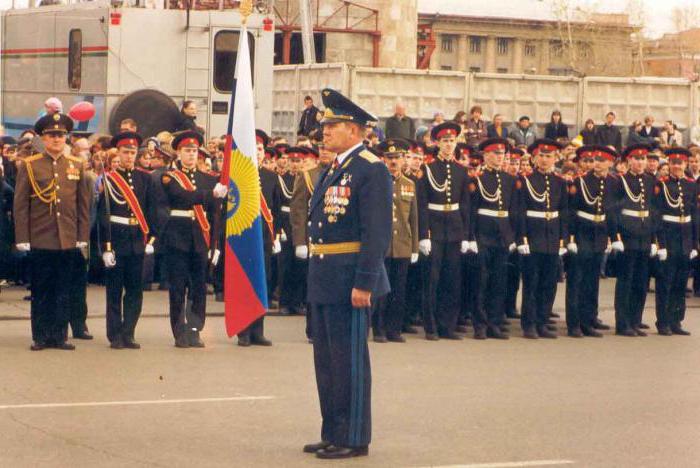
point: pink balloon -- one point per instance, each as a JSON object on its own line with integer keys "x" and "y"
{"x": 82, "y": 111}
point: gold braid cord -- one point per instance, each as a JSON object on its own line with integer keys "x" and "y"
{"x": 41, "y": 194}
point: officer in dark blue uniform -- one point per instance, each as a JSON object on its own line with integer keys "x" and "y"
{"x": 350, "y": 219}
{"x": 541, "y": 235}
{"x": 677, "y": 218}
{"x": 635, "y": 229}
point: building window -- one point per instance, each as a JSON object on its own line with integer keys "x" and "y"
{"x": 502, "y": 46}
{"x": 502, "y": 70}
{"x": 225, "y": 53}
{"x": 530, "y": 49}
{"x": 474, "y": 45}
{"x": 446, "y": 67}
{"x": 75, "y": 58}
{"x": 448, "y": 43}
{"x": 475, "y": 69}
{"x": 556, "y": 49}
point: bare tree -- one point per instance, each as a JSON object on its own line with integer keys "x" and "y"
{"x": 639, "y": 17}
{"x": 684, "y": 17}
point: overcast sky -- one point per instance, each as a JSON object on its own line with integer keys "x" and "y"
{"x": 657, "y": 16}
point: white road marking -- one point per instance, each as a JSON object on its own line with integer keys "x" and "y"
{"x": 133, "y": 402}
{"x": 517, "y": 464}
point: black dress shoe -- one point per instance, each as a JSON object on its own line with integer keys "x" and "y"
{"x": 677, "y": 330}
{"x": 588, "y": 331}
{"x": 116, "y": 343}
{"x": 543, "y": 332}
{"x": 410, "y": 330}
{"x": 554, "y": 315}
{"x": 530, "y": 333}
{"x": 379, "y": 339}
{"x": 285, "y": 311}
{"x": 219, "y": 297}
{"x": 626, "y": 332}
{"x": 194, "y": 340}
{"x": 129, "y": 343}
{"x": 513, "y": 315}
{"x": 243, "y": 341}
{"x": 479, "y": 334}
{"x": 313, "y": 448}
{"x": 260, "y": 341}
{"x": 551, "y": 322}
{"x": 395, "y": 338}
{"x": 639, "y": 332}
{"x": 83, "y": 336}
{"x": 337, "y": 453}
{"x": 496, "y": 333}
{"x": 461, "y": 329}
{"x": 575, "y": 332}
{"x": 182, "y": 342}
{"x": 431, "y": 337}
{"x": 38, "y": 346}
{"x": 598, "y": 325}
{"x": 552, "y": 328}
{"x": 643, "y": 326}
{"x": 451, "y": 336}
{"x": 665, "y": 331}
{"x": 64, "y": 346}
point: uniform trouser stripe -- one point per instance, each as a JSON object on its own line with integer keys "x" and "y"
{"x": 359, "y": 382}
{"x": 357, "y": 325}
{"x": 352, "y": 429}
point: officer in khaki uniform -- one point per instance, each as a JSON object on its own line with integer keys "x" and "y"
{"x": 52, "y": 223}
{"x": 389, "y": 310}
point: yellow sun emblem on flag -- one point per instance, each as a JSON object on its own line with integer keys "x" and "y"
{"x": 243, "y": 194}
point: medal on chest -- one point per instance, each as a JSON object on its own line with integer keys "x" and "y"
{"x": 72, "y": 173}
{"x": 335, "y": 202}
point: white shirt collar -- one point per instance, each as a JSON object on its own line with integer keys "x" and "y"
{"x": 341, "y": 157}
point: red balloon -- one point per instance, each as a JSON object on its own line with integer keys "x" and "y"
{"x": 82, "y": 111}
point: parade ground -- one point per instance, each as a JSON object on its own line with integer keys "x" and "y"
{"x": 611, "y": 402}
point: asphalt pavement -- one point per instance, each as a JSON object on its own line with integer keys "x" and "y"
{"x": 610, "y": 402}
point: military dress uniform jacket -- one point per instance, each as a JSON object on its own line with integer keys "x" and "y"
{"x": 543, "y": 212}
{"x": 490, "y": 230}
{"x": 677, "y": 215}
{"x": 635, "y": 221}
{"x": 404, "y": 238}
{"x": 269, "y": 185}
{"x": 184, "y": 233}
{"x": 351, "y": 210}
{"x": 443, "y": 203}
{"x": 592, "y": 202}
{"x": 299, "y": 205}
{"x": 52, "y": 202}
{"x": 282, "y": 202}
{"x": 127, "y": 239}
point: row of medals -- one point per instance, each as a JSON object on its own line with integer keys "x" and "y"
{"x": 335, "y": 200}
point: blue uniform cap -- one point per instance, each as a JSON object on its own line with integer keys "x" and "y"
{"x": 341, "y": 109}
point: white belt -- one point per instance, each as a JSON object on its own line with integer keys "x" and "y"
{"x": 182, "y": 213}
{"x": 493, "y": 213}
{"x": 635, "y": 213}
{"x": 285, "y": 209}
{"x": 542, "y": 214}
{"x": 676, "y": 219}
{"x": 596, "y": 218}
{"x": 123, "y": 220}
{"x": 447, "y": 207}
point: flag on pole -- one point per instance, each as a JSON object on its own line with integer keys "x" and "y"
{"x": 245, "y": 285}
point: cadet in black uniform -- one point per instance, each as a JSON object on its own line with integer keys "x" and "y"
{"x": 635, "y": 230}
{"x": 126, "y": 210}
{"x": 513, "y": 265}
{"x": 677, "y": 217}
{"x": 349, "y": 234}
{"x": 443, "y": 207}
{"x": 186, "y": 237}
{"x": 494, "y": 214}
{"x": 592, "y": 199}
{"x": 541, "y": 236}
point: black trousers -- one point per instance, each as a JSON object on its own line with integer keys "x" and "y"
{"x": 255, "y": 330}
{"x": 492, "y": 287}
{"x": 582, "y": 284}
{"x": 540, "y": 276}
{"x": 470, "y": 288}
{"x": 290, "y": 277}
{"x": 187, "y": 272}
{"x": 671, "y": 281}
{"x": 78, "y": 302}
{"x": 444, "y": 282}
{"x": 343, "y": 375}
{"x": 631, "y": 288}
{"x": 414, "y": 291}
{"x": 124, "y": 295}
{"x": 52, "y": 274}
{"x": 513, "y": 283}
{"x": 389, "y": 312}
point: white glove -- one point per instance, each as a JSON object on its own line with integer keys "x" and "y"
{"x": 109, "y": 259}
{"x": 23, "y": 247}
{"x": 572, "y": 248}
{"x": 693, "y": 254}
{"x": 220, "y": 190}
{"x": 663, "y": 255}
{"x": 618, "y": 246}
{"x": 524, "y": 249}
{"x": 414, "y": 257}
{"x": 608, "y": 249}
{"x": 148, "y": 250}
{"x": 424, "y": 246}
{"x": 283, "y": 236}
{"x": 562, "y": 251}
{"x": 215, "y": 255}
{"x": 474, "y": 247}
{"x": 464, "y": 247}
{"x": 276, "y": 247}
{"x": 81, "y": 245}
{"x": 512, "y": 247}
{"x": 302, "y": 252}
{"x": 653, "y": 251}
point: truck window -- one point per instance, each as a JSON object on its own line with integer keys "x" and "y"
{"x": 75, "y": 58}
{"x": 225, "y": 53}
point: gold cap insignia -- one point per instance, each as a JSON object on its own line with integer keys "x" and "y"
{"x": 56, "y": 117}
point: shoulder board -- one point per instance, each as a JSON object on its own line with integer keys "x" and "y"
{"x": 33, "y": 157}
{"x": 407, "y": 181}
{"x": 74, "y": 159}
{"x": 166, "y": 178}
{"x": 368, "y": 156}
{"x": 141, "y": 169}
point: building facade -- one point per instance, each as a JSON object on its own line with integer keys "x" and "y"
{"x": 673, "y": 55}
